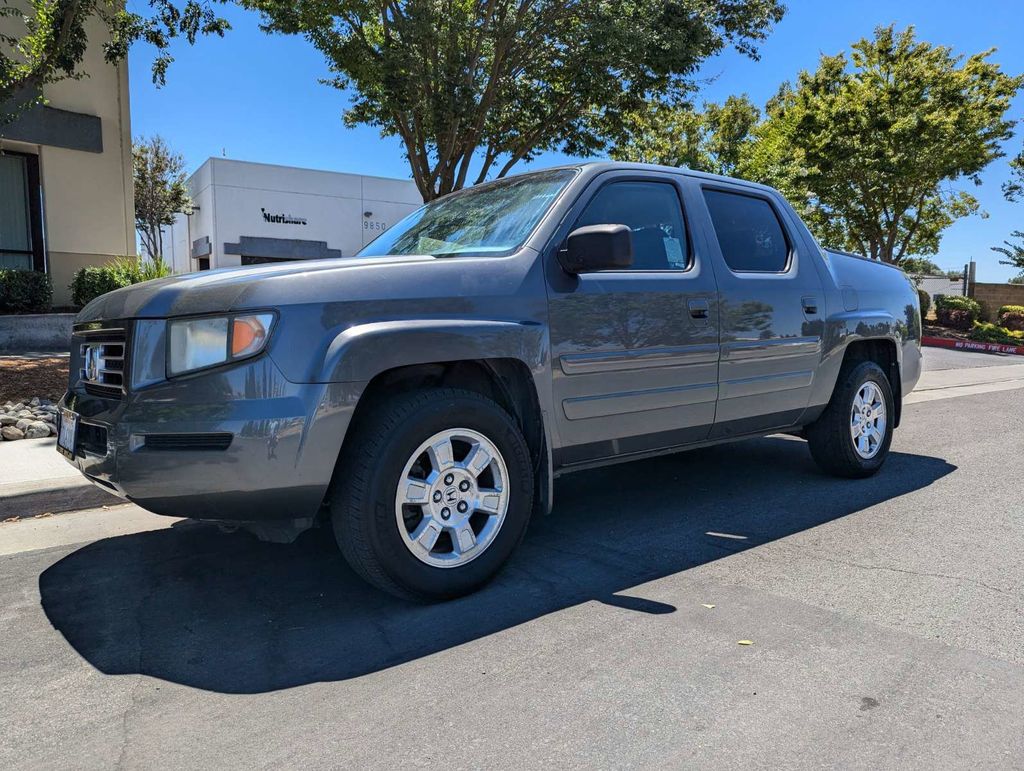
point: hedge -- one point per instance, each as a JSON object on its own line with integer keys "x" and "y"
{"x": 984, "y": 332}
{"x": 90, "y": 283}
{"x": 926, "y": 302}
{"x": 25, "y": 291}
{"x": 957, "y": 312}
{"x": 1011, "y": 317}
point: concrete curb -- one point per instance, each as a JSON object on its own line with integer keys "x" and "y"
{"x": 28, "y": 499}
{"x": 36, "y": 332}
{"x": 970, "y": 345}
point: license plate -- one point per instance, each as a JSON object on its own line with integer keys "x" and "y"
{"x": 67, "y": 434}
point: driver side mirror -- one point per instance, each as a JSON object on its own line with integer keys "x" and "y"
{"x": 597, "y": 247}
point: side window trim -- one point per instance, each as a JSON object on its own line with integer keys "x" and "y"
{"x": 691, "y": 262}
{"x": 791, "y": 252}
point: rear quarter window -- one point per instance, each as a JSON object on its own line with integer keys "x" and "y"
{"x": 749, "y": 233}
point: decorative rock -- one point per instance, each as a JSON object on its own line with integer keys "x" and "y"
{"x": 37, "y": 430}
{"x": 34, "y": 418}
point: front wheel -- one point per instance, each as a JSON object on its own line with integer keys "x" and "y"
{"x": 852, "y": 436}
{"x": 433, "y": 493}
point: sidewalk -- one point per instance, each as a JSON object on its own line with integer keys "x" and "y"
{"x": 35, "y": 479}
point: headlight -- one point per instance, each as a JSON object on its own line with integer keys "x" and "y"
{"x": 200, "y": 343}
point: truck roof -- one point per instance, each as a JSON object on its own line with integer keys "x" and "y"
{"x": 600, "y": 166}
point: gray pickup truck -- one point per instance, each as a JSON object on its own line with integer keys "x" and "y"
{"x": 422, "y": 396}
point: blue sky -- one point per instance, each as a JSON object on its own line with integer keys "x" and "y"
{"x": 255, "y": 97}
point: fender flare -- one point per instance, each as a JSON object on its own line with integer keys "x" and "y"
{"x": 849, "y": 327}
{"x": 361, "y": 352}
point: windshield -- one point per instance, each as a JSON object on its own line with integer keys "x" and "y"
{"x": 492, "y": 219}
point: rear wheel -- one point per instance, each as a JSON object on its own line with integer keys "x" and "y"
{"x": 853, "y": 434}
{"x": 433, "y": 494}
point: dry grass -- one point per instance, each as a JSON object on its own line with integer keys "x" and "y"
{"x": 25, "y": 377}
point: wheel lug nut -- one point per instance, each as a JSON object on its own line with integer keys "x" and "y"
{"x": 449, "y": 478}
{"x": 462, "y": 507}
{"x": 463, "y": 485}
{"x": 446, "y": 513}
{"x": 437, "y": 496}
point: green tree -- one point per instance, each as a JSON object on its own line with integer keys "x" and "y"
{"x": 713, "y": 140}
{"x": 1014, "y": 254}
{"x": 161, "y": 192}
{"x": 921, "y": 266}
{"x": 44, "y": 41}
{"x": 868, "y": 146}
{"x": 473, "y": 87}
{"x": 1014, "y": 188}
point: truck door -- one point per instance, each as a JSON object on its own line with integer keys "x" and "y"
{"x": 771, "y": 309}
{"x": 634, "y": 352}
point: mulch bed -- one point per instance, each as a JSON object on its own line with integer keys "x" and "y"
{"x": 25, "y": 377}
{"x": 954, "y": 339}
{"x": 931, "y": 330}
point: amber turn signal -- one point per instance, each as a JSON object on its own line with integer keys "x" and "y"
{"x": 248, "y": 333}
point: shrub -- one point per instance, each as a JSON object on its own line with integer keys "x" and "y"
{"x": 90, "y": 283}
{"x": 957, "y": 312}
{"x": 984, "y": 332}
{"x": 25, "y": 291}
{"x": 926, "y": 302}
{"x": 1011, "y": 317}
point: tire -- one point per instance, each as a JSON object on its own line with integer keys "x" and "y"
{"x": 831, "y": 438}
{"x": 376, "y": 527}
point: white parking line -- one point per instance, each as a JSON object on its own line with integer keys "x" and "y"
{"x": 932, "y": 394}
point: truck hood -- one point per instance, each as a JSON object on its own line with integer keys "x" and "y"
{"x": 228, "y": 289}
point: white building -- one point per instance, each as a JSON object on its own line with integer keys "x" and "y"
{"x": 940, "y": 285}
{"x": 252, "y": 213}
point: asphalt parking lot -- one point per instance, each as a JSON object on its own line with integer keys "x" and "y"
{"x": 886, "y": 618}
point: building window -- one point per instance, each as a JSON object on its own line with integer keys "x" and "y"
{"x": 21, "y": 230}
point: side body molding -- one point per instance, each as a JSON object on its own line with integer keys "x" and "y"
{"x": 362, "y": 351}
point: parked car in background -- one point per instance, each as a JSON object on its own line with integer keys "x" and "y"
{"x": 422, "y": 396}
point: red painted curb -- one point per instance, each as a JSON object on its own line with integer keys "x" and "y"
{"x": 970, "y": 345}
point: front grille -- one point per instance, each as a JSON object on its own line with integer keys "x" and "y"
{"x": 102, "y": 360}
{"x": 217, "y": 441}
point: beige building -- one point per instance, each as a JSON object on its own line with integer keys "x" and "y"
{"x": 66, "y": 196}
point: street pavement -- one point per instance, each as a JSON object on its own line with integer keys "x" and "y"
{"x": 886, "y": 618}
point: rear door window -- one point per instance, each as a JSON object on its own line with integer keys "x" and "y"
{"x": 749, "y": 232}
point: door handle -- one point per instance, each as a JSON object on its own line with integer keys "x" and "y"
{"x": 698, "y": 309}
{"x": 810, "y": 305}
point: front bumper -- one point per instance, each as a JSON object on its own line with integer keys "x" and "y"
{"x": 240, "y": 443}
